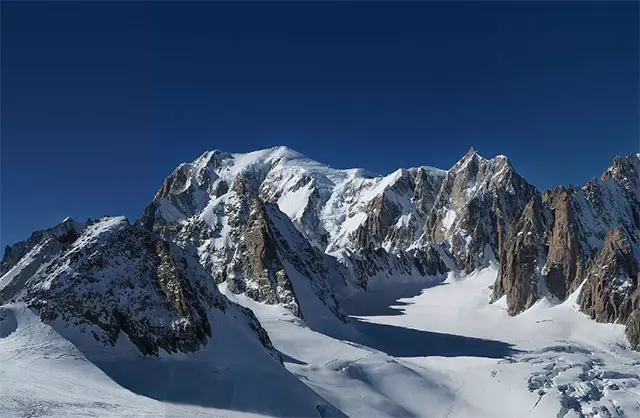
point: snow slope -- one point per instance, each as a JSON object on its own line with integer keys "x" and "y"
{"x": 43, "y": 373}
{"x": 443, "y": 351}
{"x": 419, "y": 350}
{"x": 564, "y": 363}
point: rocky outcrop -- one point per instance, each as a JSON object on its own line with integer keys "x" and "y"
{"x": 255, "y": 267}
{"x": 591, "y": 230}
{"x": 520, "y": 276}
{"x": 116, "y": 279}
{"x": 476, "y": 205}
{"x": 564, "y": 260}
{"x": 609, "y": 293}
{"x": 632, "y": 330}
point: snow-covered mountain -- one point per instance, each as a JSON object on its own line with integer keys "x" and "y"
{"x": 112, "y": 279}
{"x": 411, "y": 223}
{"x": 273, "y": 223}
{"x": 476, "y": 205}
{"x": 112, "y": 294}
{"x": 215, "y": 208}
{"x": 302, "y": 244}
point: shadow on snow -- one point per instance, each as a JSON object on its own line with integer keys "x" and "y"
{"x": 407, "y": 342}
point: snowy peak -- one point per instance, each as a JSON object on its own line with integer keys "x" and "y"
{"x": 66, "y": 231}
{"x": 626, "y": 171}
{"x": 332, "y": 209}
{"x": 484, "y": 174}
{"x": 477, "y": 203}
{"x": 223, "y": 207}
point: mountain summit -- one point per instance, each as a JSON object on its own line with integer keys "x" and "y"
{"x": 275, "y": 231}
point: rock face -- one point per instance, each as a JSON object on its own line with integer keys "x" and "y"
{"x": 476, "y": 205}
{"x": 564, "y": 261}
{"x": 523, "y": 258}
{"x": 587, "y": 233}
{"x": 110, "y": 278}
{"x": 256, "y": 268}
{"x": 610, "y": 291}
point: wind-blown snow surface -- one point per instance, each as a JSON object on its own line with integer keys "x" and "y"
{"x": 420, "y": 350}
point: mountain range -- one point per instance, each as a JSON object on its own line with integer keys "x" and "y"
{"x": 278, "y": 228}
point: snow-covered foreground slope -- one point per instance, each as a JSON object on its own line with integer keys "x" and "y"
{"x": 43, "y": 373}
{"x": 443, "y": 351}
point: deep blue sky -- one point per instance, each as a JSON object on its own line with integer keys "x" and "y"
{"x": 100, "y": 101}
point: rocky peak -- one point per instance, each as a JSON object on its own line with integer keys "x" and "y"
{"x": 618, "y": 254}
{"x": 626, "y": 171}
{"x": 476, "y": 205}
{"x": 564, "y": 260}
{"x": 175, "y": 183}
{"x": 64, "y": 233}
{"x": 610, "y": 291}
{"x": 586, "y": 226}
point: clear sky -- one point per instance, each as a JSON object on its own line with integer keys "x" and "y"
{"x": 101, "y": 100}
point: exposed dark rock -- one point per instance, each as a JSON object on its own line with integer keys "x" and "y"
{"x": 382, "y": 215}
{"x": 609, "y": 293}
{"x": 632, "y": 329}
{"x": 116, "y": 278}
{"x": 520, "y": 276}
{"x": 564, "y": 261}
{"x": 256, "y": 268}
{"x": 477, "y": 203}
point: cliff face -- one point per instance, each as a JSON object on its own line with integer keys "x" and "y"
{"x": 478, "y": 202}
{"x": 523, "y": 258}
{"x": 564, "y": 260}
{"x": 255, "y": 267}
{"x": 609, "y": 293}
{"x": 587, "y": 234}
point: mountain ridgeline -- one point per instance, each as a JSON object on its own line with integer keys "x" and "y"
{"x": 280, "y": 228}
